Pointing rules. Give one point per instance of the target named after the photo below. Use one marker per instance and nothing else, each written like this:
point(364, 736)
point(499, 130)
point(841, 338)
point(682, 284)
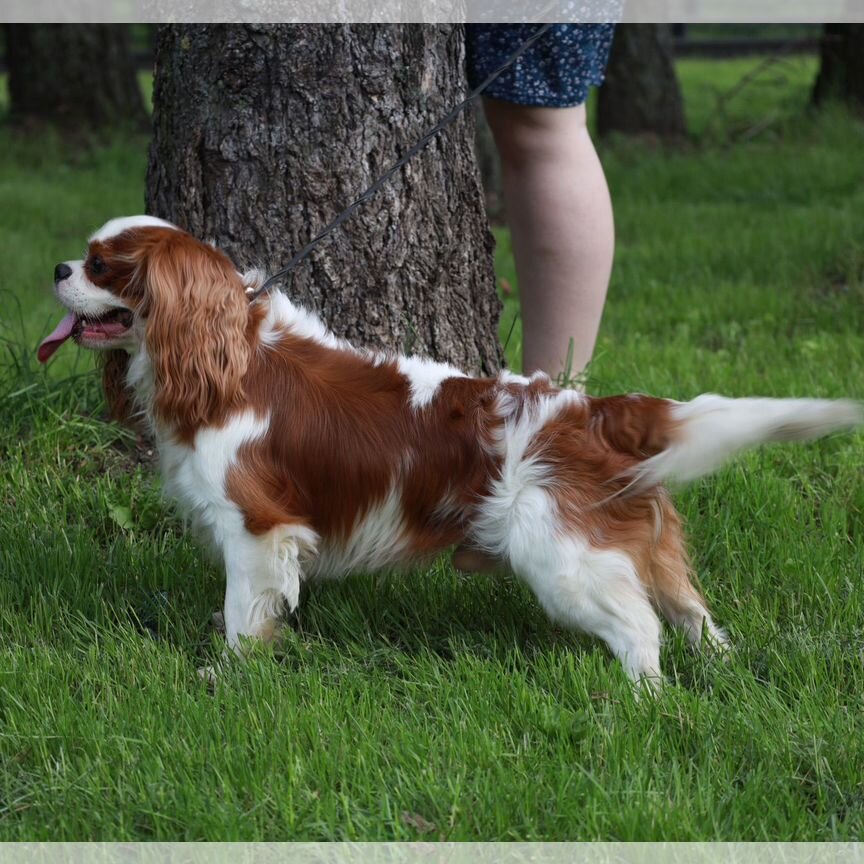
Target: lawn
point(434, 705)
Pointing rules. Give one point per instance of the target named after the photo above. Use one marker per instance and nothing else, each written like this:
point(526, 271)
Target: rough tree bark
point(263, 133)
point(489, 165)
point(73, 75)
point(841, 66)
point(641, 95)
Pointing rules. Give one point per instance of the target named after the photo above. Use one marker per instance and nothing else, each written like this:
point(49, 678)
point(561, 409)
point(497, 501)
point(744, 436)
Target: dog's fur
point(301, 456)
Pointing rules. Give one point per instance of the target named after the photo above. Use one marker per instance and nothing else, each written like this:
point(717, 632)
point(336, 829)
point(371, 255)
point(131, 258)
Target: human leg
point(562, 230)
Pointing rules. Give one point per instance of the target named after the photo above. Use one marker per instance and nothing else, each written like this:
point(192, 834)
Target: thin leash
point(448, 118)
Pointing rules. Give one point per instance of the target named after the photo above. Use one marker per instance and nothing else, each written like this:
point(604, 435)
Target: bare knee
point(525, 133)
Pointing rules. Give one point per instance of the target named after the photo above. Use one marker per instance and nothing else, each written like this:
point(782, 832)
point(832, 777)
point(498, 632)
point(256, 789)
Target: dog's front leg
point(263, 574)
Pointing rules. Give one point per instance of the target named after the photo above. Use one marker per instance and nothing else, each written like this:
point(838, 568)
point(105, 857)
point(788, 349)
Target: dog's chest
point(195, 475)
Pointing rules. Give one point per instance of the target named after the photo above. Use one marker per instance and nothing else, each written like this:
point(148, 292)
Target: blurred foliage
point(752, 31)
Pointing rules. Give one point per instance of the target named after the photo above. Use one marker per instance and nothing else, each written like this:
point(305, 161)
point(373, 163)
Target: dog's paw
point(649, 686)
point(716, 642)
point(208, 675)
point(217, 619)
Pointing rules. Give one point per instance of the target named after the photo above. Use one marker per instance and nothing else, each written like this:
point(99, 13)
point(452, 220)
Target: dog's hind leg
point(671, 585)
point(263, 574)
point(598, 592)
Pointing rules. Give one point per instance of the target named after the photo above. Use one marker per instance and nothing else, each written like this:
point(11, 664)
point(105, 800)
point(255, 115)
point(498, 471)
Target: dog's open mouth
point(91, 331)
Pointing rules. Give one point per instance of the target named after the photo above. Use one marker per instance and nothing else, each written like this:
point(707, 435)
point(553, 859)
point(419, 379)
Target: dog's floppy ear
point(197, 314)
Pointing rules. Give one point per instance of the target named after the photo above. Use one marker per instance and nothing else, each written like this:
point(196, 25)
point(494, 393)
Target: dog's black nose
point(61, 272)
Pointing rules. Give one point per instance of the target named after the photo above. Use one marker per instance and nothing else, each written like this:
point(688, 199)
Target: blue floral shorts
point(555, 72)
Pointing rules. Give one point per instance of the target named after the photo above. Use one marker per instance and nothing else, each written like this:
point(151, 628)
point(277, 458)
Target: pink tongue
point(61, 333)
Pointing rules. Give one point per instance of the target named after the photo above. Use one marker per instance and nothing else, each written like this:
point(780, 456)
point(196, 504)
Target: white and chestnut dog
point(302, 457)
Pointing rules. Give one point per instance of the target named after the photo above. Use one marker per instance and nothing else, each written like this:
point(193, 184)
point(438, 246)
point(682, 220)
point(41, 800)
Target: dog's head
point(147, 287)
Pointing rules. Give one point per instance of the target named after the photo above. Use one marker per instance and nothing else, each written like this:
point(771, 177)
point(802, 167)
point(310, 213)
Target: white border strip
point(431, 11)
point(432, 853)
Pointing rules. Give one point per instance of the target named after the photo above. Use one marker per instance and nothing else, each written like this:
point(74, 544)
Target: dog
point(300, 456)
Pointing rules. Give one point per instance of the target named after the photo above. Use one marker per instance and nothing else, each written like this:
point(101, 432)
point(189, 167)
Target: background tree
point(264, 133)
point(73, 75)
point(489, 165)
point(641, 95)
point(841, 64)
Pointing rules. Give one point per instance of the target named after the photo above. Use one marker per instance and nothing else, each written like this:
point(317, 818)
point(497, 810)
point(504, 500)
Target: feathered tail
point(680, 441)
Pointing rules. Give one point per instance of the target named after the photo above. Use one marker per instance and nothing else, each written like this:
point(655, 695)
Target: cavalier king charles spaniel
point(300, 456)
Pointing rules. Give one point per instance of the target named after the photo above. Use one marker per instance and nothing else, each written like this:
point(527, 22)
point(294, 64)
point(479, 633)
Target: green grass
point(436, 705)
point(749, 98)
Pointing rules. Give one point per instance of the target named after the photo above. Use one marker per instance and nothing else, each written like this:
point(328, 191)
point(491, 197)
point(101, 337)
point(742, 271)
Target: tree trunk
point(263, 134)
point(641, 95)
point(77, 76)
point(489, 164)
point(841, 67)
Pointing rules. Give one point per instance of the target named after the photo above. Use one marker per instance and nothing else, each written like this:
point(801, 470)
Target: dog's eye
point(97, 265)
